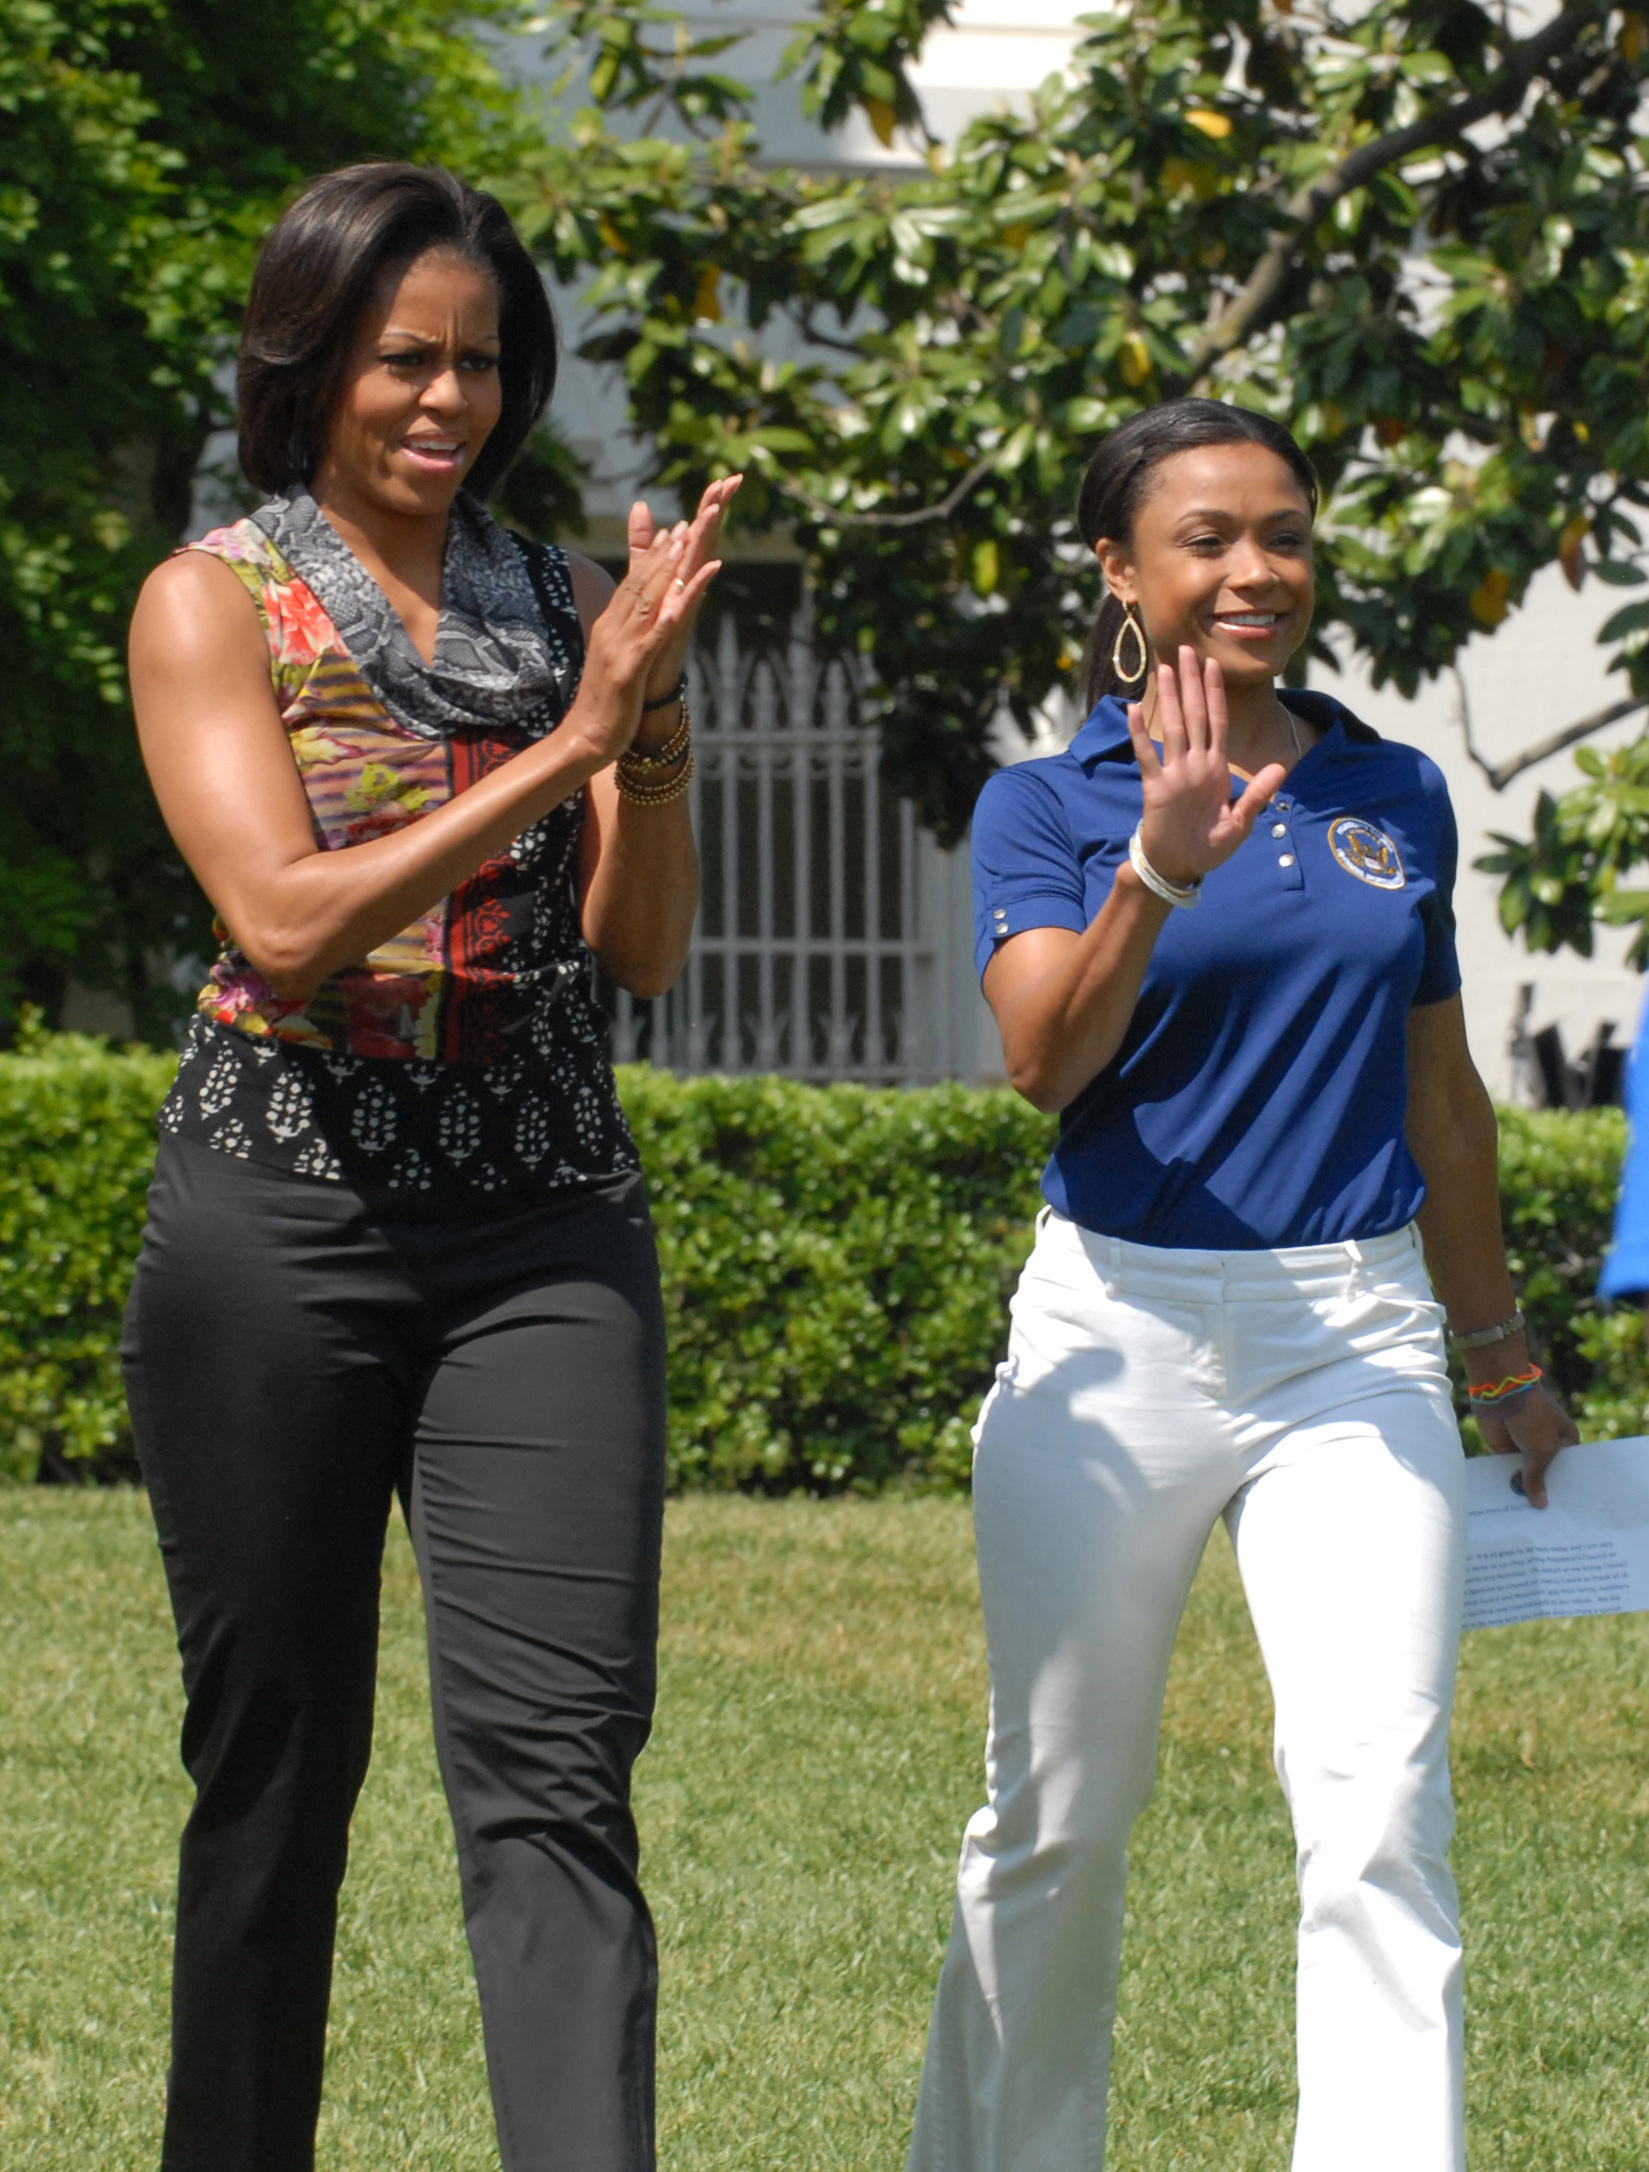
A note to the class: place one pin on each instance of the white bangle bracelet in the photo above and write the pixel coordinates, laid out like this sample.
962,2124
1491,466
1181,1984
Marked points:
1159,885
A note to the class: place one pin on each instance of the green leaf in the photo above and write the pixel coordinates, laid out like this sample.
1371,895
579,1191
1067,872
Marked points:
1633,619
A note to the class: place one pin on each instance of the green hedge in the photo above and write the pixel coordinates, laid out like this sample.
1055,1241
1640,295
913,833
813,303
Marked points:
1558,1177
76,1146
836,1264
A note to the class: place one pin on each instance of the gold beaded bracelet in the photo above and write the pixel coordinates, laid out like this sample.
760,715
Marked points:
652,795
666,756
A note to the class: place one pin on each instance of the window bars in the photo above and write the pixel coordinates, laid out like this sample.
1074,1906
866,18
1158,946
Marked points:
813,955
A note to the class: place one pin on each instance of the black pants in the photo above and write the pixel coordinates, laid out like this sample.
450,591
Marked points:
292,1360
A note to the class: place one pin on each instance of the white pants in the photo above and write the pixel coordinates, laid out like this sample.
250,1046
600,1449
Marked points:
1303,1395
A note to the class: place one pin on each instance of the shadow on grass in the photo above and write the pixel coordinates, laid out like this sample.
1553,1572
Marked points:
818,1750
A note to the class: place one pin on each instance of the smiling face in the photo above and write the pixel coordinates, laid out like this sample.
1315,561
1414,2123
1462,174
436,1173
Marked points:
420,391
1221,558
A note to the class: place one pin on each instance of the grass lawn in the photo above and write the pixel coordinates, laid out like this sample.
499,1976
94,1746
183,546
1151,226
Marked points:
817,1751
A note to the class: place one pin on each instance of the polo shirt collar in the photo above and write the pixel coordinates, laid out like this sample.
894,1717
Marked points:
1104,737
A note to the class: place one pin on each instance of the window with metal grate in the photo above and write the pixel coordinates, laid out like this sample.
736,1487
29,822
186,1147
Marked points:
823,929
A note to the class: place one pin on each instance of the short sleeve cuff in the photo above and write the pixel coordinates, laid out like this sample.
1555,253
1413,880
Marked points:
1439,979
1002,918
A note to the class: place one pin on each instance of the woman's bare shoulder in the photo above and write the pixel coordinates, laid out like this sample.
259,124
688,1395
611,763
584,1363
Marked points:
195,600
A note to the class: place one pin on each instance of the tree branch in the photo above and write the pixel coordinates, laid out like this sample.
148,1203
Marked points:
1250,310
838,517
1501,774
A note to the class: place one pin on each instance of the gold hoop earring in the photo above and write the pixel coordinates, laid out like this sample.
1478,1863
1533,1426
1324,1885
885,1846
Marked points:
1130,625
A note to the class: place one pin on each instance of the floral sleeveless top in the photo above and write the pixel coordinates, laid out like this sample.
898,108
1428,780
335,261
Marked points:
466,1056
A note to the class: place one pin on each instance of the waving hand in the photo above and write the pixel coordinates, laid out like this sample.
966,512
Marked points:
1190,824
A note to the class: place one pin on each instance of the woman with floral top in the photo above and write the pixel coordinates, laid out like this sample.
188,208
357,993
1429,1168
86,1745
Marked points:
398,1238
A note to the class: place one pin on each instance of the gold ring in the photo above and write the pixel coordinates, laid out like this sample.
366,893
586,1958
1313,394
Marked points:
680,583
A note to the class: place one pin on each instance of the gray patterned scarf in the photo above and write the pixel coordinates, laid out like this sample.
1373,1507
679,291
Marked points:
502,659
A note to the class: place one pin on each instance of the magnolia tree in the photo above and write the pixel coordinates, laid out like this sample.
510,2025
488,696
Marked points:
1420,238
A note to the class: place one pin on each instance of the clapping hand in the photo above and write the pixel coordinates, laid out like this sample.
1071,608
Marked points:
1190,824
695,567
638,644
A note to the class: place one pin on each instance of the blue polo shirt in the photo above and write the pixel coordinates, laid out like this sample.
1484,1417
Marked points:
1259,1094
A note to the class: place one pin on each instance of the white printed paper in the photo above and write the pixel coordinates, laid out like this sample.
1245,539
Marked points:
1587,1553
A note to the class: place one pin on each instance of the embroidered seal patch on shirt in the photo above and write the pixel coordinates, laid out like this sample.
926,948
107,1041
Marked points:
1366,852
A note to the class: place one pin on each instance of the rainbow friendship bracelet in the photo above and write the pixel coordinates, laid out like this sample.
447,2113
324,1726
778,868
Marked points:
1493,1393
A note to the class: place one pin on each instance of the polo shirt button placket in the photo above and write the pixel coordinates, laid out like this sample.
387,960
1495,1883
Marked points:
1287,860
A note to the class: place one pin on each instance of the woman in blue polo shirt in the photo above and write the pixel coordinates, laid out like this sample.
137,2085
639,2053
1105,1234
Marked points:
1270,1130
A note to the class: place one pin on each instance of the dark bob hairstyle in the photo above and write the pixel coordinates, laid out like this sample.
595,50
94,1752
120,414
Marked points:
317,272
1118,482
